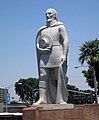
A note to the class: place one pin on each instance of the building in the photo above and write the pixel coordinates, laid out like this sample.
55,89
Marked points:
3,93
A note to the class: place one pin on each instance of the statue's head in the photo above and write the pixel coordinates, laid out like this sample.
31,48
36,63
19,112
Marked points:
51,15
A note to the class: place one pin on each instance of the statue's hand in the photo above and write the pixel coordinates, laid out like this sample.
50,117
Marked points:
45,50
63,59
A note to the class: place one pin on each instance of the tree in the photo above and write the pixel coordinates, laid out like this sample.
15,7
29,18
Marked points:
89,77
26,88
89,53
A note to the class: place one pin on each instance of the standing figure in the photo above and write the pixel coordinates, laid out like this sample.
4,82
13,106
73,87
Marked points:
52,49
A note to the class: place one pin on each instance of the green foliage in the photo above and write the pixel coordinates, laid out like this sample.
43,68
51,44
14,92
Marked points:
89,53
89,77
25,88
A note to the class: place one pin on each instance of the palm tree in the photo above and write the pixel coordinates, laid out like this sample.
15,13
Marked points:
89,53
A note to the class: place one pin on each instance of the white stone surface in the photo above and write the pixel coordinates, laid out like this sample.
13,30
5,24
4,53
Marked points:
52,49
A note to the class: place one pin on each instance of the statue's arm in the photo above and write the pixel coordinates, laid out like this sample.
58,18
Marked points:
41,50
64,39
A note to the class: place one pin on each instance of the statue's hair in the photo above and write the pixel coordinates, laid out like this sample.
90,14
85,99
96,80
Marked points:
53,11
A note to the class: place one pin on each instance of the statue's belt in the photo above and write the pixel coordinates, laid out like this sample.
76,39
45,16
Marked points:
55,43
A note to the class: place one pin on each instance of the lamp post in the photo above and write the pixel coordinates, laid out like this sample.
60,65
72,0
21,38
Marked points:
95,83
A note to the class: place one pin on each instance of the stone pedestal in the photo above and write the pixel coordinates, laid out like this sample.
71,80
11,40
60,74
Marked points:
62,112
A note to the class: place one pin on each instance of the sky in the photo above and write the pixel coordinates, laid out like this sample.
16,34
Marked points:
19,23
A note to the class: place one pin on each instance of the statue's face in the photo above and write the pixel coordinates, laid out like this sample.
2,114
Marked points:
50,15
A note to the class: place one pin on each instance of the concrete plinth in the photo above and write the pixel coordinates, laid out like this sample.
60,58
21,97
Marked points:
62,112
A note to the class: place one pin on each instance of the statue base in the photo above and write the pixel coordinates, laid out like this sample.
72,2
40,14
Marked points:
62,112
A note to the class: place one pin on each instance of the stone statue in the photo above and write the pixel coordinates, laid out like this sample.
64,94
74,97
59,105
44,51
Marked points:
52,49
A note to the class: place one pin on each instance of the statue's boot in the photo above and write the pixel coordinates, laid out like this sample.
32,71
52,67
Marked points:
60,99
42,94
61,102
39,102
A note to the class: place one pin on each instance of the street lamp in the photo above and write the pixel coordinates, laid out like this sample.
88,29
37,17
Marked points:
95,83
